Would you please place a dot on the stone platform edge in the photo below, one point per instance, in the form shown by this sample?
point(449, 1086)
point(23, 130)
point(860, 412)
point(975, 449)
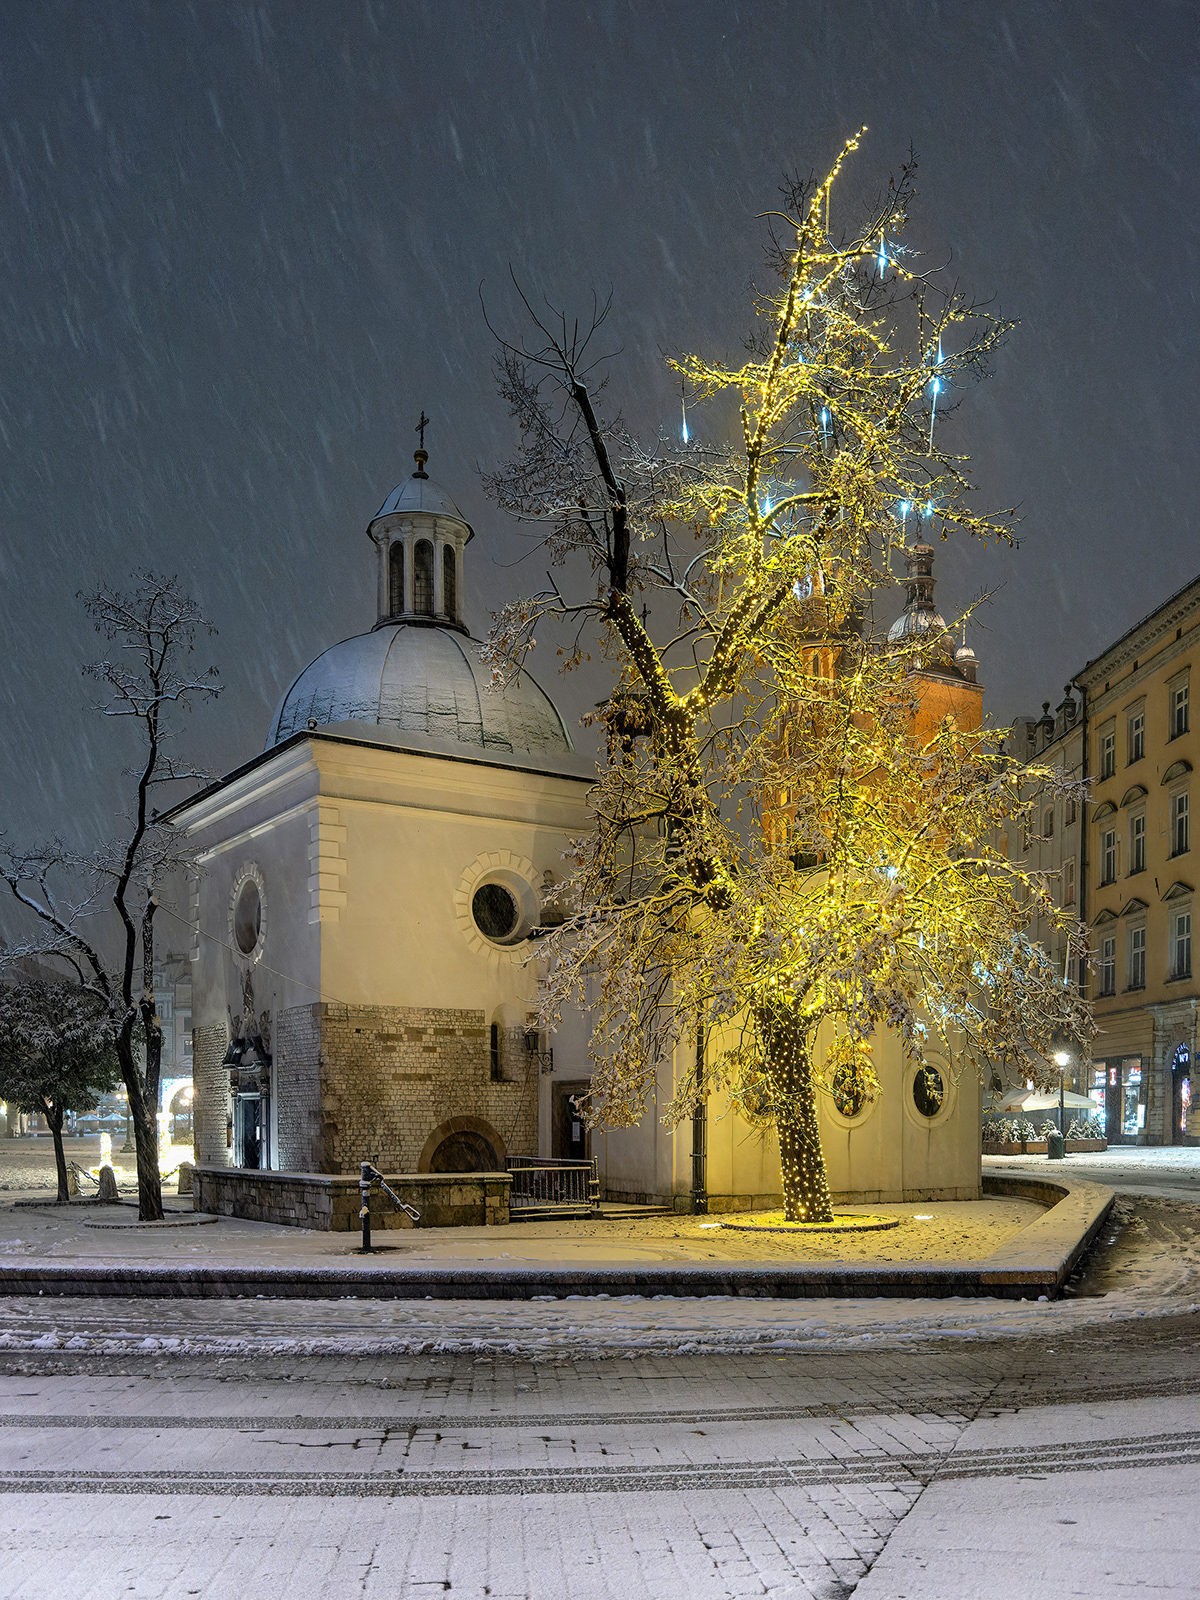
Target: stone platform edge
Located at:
point(1036, 1262)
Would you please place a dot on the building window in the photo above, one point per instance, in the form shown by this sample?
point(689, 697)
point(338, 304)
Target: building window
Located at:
point(1137, 843)
point(1181, 945)
point(1108, 967)
point(423, 578)
point(449, 581)
point(247, 917)
point(496, 911)
point(495, 1052)
point(1068, 881)
point(395, 580)
point(1137, 958)
point(1137, 735)
point(1048, 823)
point(1068, 813)
point(1178, 692)
point(1108, 753)
point(928, 1091)
point(1108, 856)
point(1180, 824)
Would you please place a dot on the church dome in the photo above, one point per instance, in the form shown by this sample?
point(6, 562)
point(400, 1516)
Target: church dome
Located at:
point(916, 623)
point(422, 681)
point(418, 673)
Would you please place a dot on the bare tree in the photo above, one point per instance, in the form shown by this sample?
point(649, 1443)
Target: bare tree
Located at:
point(153, 627)
point(56, 1055)
point(778, 844)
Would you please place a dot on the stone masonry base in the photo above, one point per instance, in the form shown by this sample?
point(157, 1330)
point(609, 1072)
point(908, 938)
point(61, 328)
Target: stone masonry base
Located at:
point(330, 1203)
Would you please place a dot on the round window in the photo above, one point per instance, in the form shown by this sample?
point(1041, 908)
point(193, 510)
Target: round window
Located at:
point(247, 917)
point(928, 1091)
point(496, 911)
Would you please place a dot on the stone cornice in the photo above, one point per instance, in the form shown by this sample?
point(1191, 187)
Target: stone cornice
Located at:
point(1145, 634)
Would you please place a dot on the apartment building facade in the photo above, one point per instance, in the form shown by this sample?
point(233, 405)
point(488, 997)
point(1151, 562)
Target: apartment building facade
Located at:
point(1141, 856)
point(1053, 844)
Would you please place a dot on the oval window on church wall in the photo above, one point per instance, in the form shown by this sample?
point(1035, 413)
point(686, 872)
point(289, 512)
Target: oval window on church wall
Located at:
point(928, 1091)
point(247, 917)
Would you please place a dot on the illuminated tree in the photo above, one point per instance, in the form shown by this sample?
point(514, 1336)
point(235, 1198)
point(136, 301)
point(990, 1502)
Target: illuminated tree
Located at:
point(778, 842)
point(56, 1055)
point(67, 891)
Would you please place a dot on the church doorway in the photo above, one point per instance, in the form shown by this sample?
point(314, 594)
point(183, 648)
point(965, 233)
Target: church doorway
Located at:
point(249, 1132)
point(1185, 1126)
point(571, 1139)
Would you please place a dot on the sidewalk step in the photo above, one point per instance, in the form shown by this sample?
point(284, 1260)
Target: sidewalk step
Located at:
point(616, 1212)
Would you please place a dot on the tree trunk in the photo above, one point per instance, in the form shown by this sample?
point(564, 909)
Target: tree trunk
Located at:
point(55, 1122)
point(148, 1009)
point(802, 1163)
point(145, 1138)
point(145, 1134)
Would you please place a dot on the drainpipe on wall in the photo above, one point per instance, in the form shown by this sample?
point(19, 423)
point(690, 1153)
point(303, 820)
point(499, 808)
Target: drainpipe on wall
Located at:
point(700, 1137)
point(1083, 832)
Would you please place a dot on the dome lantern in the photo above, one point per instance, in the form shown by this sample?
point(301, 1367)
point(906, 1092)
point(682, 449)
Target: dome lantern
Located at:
point(419, 536)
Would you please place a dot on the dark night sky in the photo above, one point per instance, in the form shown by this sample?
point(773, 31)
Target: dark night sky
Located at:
point(242, 244)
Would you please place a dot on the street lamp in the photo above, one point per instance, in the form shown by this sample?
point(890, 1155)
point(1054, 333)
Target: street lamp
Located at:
point(1062, 1061)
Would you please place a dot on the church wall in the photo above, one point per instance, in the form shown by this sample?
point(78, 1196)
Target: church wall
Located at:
point(649, 1164)
point(418, 831)
point(939, 697)
point(888, 1153)
point(259, 824)
point(210, 1096)
point(296, 1082)
point(391, 1076)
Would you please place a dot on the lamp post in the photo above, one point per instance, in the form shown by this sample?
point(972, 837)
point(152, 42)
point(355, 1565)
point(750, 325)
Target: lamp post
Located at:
point(1062, 1061)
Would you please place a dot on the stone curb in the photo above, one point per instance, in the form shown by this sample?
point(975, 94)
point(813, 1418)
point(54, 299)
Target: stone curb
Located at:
point(1037, 1262)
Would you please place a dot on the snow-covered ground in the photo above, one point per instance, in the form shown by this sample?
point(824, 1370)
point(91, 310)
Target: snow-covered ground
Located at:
point(961, 1471)
point(1152, 1270)
point(627, 1449)
point(1166, 1172)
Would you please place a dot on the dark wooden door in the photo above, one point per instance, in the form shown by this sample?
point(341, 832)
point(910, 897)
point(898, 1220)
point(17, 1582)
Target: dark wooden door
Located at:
point(571, 1139)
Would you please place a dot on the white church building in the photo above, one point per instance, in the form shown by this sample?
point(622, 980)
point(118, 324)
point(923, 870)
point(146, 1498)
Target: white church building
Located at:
point(365, 900)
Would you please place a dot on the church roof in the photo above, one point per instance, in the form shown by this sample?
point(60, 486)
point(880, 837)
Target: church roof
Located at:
point(423, 681)
point(421, 493)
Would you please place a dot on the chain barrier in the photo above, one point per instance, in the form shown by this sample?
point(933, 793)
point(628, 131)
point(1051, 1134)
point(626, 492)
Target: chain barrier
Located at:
point(368, 1175)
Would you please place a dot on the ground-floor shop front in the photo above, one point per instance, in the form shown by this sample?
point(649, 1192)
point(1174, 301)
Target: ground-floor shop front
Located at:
point(1141, 1074)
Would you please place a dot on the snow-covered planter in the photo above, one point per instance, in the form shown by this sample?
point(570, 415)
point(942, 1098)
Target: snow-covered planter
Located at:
point(1037, 1147)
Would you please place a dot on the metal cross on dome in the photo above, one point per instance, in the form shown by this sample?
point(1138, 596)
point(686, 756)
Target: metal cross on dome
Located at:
point(421, 426)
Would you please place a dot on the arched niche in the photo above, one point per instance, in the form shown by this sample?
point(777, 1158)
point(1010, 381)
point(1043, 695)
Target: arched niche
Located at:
point(463, 1144)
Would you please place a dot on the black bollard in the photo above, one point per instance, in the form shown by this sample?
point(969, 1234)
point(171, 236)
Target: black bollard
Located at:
point(364, 1190)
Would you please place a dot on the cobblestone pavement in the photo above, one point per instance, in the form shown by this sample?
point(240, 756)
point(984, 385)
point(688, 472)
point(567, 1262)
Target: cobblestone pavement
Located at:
point(1060, 1460)
point(881, 1475)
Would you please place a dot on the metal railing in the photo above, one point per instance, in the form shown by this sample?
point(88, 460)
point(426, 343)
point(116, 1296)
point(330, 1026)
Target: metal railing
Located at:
point(367, 1176)
point(544, 1186)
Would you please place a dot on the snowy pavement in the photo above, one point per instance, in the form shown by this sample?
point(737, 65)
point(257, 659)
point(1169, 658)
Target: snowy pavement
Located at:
point(1166, 1172)
point(972, 1472)
point(613, 1449)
